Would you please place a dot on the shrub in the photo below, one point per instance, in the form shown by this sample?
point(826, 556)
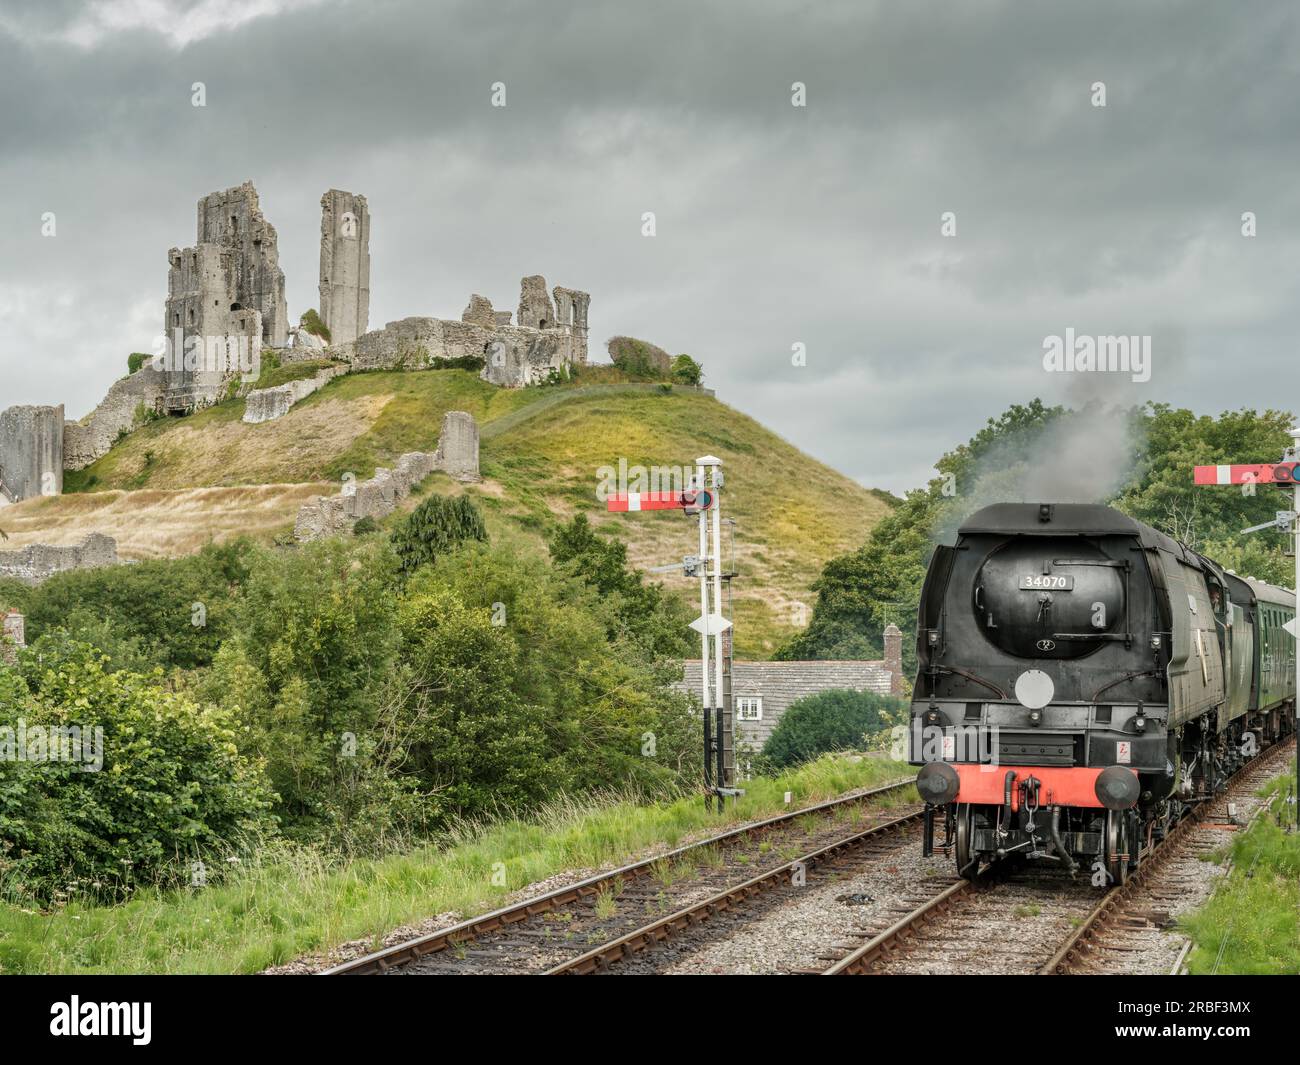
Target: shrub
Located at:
point(170, 786)
point(311, 322)
point(365, 525)
point(175, 612)
point(435, 527)
point(830, 721)
point(136, 359)
point(686, 371)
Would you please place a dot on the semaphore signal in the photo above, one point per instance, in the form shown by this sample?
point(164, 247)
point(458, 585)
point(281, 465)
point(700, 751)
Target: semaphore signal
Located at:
point(1280, 473)
point(702, 498)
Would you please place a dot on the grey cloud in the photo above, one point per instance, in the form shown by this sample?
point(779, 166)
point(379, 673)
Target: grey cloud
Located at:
point(776, 224)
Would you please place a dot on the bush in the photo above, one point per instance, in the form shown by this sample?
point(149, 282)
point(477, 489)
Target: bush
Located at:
point(135, 360)
point(830, 721)
point(311, 322)
point(365, 525)
point(173, 612)
point(161, 786)
point(686, 371)
point(435, 527)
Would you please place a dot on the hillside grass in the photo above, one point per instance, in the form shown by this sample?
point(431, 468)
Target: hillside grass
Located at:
point(1251, 925)
point(292, 902)
point(541, 450)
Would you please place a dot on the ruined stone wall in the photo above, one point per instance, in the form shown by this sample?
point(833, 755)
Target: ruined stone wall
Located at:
point(267, 404)
point(373, 498)
point(457, 455)
point(39, 562)
point(535, 309)
point(344, 265)
point(31, 453)
point(546, 337)
point(97, 432)
point(571, 316)
point(514, 357)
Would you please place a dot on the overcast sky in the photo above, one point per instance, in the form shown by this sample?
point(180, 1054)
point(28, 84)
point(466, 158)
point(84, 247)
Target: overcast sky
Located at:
point(776, 225)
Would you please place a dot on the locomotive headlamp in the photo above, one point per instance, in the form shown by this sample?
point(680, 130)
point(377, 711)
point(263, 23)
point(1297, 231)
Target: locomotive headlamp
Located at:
point(1035, 717)
point(938, 783)
point(933, 637)
point(1155, 642)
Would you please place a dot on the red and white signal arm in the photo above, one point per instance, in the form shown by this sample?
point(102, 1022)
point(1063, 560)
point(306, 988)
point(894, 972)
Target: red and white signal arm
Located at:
point(693, 500)
point(1263, 473)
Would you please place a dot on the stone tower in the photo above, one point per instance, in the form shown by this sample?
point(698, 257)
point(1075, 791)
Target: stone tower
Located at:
point(344, 265)
point(31, 453)
point(225, 299)
point(233, 219)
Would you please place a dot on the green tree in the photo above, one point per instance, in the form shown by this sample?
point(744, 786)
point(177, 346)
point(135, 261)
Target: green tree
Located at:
point(657, 622)
point(165, 786)
point(436, 526)
point(830, 721)
point(687, 371)
point(172, 613)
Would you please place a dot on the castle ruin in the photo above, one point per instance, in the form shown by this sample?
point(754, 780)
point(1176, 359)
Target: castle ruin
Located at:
point(225, 304)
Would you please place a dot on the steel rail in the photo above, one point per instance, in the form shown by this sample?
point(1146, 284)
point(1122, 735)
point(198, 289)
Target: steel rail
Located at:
point(861, 959)
point(410, 950)
point(1082, 939)
point(651, 934)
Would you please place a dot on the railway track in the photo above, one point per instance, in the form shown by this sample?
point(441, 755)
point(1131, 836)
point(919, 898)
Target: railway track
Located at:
point(542, 933)
point(632, 920)
point(1012, 926)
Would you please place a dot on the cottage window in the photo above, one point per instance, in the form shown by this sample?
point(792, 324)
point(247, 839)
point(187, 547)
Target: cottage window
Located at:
point(749, 708)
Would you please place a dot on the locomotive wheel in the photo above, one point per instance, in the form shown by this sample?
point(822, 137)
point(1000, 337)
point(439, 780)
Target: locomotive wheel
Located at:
point(968, 860)
point(1117, 846)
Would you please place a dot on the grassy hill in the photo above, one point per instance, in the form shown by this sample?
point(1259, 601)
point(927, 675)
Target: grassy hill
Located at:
point(175, 483)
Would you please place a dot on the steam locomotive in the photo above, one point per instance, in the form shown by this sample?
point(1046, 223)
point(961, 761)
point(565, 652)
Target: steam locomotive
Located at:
point(1082, 679)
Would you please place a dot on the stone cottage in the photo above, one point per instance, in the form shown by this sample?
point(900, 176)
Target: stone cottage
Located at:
point(763, 691)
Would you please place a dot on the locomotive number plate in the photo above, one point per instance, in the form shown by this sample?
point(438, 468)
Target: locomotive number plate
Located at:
point(1055, 582)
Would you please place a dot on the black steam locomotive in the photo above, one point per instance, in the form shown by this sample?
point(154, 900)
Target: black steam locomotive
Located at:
point(1082, 678)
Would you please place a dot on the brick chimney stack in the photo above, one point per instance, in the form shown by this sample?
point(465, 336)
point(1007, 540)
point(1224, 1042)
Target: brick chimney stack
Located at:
point(14, 633)
point(894, 657)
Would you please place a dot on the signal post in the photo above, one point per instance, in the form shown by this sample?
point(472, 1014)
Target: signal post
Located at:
point(1284, 473)
point(702, 499)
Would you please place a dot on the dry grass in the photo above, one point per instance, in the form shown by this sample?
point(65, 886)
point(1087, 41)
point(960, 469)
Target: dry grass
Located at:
point(152, 523)
point(541, 452)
